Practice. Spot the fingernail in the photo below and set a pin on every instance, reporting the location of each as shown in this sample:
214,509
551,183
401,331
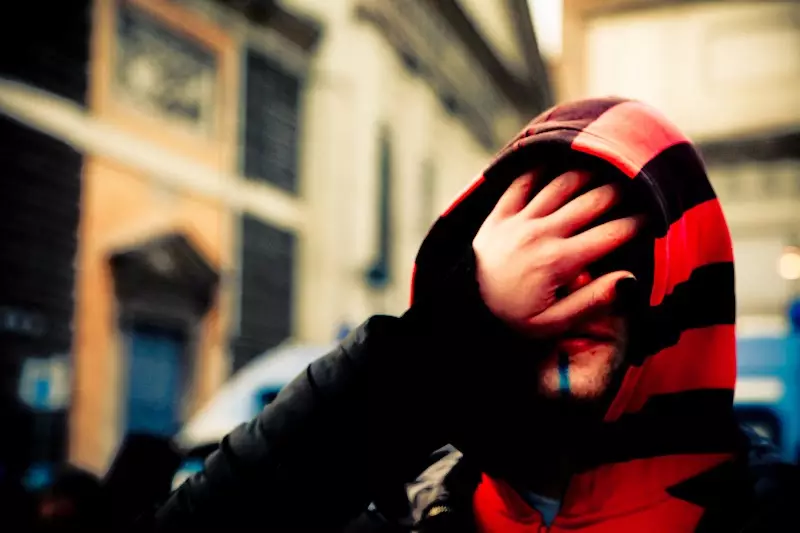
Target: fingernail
627,296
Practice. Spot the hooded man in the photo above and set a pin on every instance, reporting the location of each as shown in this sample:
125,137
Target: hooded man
570,338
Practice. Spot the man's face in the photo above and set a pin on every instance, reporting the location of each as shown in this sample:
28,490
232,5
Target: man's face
582,363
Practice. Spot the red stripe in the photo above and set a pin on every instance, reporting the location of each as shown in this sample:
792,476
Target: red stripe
629,135
666,515
698,238
702,359
466,192
660,270
498,508
616,495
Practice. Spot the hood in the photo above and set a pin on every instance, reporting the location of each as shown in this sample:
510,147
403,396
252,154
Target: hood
672,416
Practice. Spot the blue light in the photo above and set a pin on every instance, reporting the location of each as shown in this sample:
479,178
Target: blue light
38,477
343,332
794,315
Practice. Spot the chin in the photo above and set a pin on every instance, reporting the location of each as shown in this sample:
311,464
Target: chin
590,369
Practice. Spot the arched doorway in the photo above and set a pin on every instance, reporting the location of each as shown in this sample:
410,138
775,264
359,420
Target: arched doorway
163,286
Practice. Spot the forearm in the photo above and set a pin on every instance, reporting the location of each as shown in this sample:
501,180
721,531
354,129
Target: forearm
315,456
358,419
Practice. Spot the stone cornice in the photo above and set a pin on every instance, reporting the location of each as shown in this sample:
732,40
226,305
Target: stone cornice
432,48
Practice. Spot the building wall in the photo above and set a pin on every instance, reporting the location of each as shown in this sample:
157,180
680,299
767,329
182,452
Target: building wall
39,215
355,86
125,205
358,86
722,71
39,206
495,21
147,175
702,63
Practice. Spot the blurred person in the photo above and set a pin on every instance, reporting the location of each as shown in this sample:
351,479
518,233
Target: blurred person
74,502
16,503
140,476
569,362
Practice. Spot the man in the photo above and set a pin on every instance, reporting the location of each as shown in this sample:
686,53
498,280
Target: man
74,502
577,357
140,475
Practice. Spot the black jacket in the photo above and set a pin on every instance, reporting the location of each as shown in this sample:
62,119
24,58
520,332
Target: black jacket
335,452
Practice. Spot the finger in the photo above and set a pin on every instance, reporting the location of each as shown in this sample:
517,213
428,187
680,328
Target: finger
515,197
596,297
584,209
556,193
595,243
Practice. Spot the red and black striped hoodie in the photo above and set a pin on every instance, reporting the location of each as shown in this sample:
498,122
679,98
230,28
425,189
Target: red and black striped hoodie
668,421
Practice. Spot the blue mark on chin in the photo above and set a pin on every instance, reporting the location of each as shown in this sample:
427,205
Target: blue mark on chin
563,373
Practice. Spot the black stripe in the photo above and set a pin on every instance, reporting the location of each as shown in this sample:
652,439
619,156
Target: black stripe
679,177
706,299
691,422
584,110
724,491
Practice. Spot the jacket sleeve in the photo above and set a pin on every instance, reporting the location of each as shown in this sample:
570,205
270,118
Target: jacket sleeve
776,487
341,431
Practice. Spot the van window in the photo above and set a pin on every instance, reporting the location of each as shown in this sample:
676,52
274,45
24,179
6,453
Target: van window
266,396
763,421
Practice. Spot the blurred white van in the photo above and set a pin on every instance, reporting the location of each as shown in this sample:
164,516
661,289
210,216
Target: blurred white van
239,400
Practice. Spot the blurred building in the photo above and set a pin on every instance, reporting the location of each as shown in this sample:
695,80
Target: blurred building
189,183
727,72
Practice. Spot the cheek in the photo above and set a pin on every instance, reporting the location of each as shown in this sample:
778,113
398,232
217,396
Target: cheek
599,362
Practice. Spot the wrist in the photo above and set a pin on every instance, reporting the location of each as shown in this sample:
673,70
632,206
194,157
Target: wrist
456,311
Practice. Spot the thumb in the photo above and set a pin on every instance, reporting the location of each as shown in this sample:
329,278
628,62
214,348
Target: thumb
604,294
515,198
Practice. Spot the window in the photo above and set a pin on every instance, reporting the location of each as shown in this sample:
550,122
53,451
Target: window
379,274
155,359
40,200
267,289
162,72
51,57
271,115
265,397
187,469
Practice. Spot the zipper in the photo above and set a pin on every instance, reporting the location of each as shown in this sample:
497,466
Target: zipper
438,518
544,528
438,509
